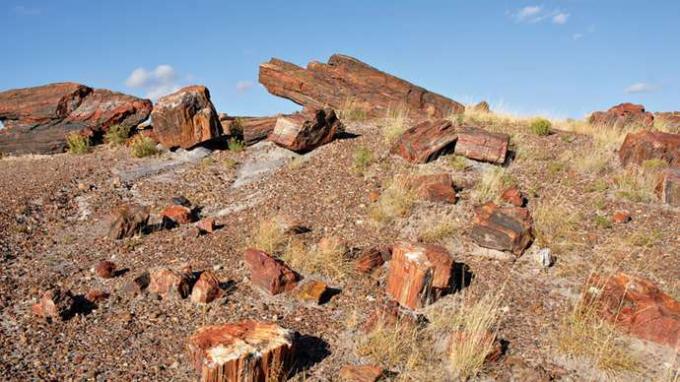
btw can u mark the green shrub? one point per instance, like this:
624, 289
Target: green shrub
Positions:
143, 146
458, 162
117, 135
540, 127
361, 159
77, 143
602, 222
236, 145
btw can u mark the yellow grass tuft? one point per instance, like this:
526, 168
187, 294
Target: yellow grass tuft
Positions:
435, 232
395, 124
352, 111
489, 187
555, 223
327, 259
77, 143
396, 201
269, 236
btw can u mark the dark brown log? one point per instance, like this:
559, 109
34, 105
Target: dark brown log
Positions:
502, 228
247, 351
346, 80
249, 129
306, 131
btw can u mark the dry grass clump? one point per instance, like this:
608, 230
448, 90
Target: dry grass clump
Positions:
457, 162
77, 143
638, 184
117, 135
489, 187
142, 146
556, 223
269, 236
361, 159
396, 201
352, 111
584, 334
396, 122
328, 259
437, 232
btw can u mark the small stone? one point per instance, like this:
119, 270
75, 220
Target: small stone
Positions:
268, 273
373, 196
169, 283
177, 214
105, 269
621, 217
372, 258
54, 304
96, 295
545, 257
206, 225
361, 373
137, 286
513, 196
313, 291
206, 289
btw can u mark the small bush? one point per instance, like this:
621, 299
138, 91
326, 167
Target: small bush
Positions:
230, 163
395, 124
602, 222
540, 127
117, 135
143, 146
394, 345
361, 159
269, 236
236, 145
457, 162
395, 202
77, 143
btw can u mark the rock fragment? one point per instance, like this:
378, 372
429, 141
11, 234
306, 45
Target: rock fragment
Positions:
361, 373
268, 273
169, 283
128, 220
55, 304
207, 288
105, 269
502, 228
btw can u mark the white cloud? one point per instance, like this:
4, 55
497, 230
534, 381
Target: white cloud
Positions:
560, 18
157, 82
641, 87
244, 86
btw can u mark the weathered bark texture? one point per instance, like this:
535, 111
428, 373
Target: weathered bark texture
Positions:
250, 129
436, 188
345, 80
248, 351
645, 145
185, 118
418, 274
623, 115
502, 228
268, 273
428, 140
38, 119
668, 188
306, 131
637, 306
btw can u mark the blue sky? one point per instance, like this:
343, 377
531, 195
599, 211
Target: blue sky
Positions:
564, 58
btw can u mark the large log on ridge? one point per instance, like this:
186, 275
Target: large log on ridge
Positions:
346, 80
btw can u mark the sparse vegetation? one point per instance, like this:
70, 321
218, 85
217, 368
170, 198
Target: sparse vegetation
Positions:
457, 162
395, 202
142, 146
395, 124
77, 143
230, 163
236, 145
361, 159
540, 127
602, 222
269, 236
436, 232
493, 181
117, 135
352, 111
555, 223
637, 184
327, 259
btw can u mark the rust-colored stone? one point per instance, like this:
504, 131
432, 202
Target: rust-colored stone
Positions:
346, 80
373, 196
645, 145
185, 118
436, 188
207, 288
38, 119
623, 115
105, 269
128, 220
268, 273
638, 307
502, 228
513, 196
361, 373
169, 283
96, 295
621, 217
206, 225
305, 132
668, 188
178, 214
418, 274
54, 304
313, 291
248, 351
372, 258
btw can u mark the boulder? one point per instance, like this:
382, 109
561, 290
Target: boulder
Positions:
54, 304
418, 274
105, 269
637, 306
361, 373
623, 115
436, 188
428, 140
38, 119
502, 228
247, 351
185, 118
207, 288
645, 145
168, 283
305, 132
268, 273
128, 220
668, 188
345, 80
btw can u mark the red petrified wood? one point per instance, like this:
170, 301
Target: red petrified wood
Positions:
178, 214
248, 351
250, 129
372, 257
513, 196
638, 307
185, 118
645, 145
436, 188
622, 115
345, 80
505, 229
418, 274
105, 269
268, 273
54, 304
361, 373
207, 288
668, 188
169, 283
305, 132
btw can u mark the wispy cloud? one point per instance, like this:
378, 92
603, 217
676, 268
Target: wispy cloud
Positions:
577, 36
156, 83
536, 13
26, 11
641, 87
560, 18
244, 86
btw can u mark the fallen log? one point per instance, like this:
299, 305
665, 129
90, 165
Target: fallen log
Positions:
305, 132
346, 81
249, 129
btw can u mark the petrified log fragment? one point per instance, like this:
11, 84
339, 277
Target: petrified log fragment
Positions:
668, 188
247, 351
268, 273
372, 257
623, 115
346, 80
38, 119
428, 140
305, 132
128, 221
105, 269
637, 306
185, 118
206, 225
54, 304
207, 288
361, 373
418, 274
436, 188
313, 291
502, 228
177, 214
249, 129
513, 196
645, 145
169, 283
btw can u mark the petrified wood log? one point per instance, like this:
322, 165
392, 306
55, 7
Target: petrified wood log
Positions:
637, 306
268, 273
623, 115
207, 288
249, 129
247, 351
502, 228
38, 119
428, 140
418, 274
645, 145
345, 79
306, 131
372, 258
436, 188
668, 188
